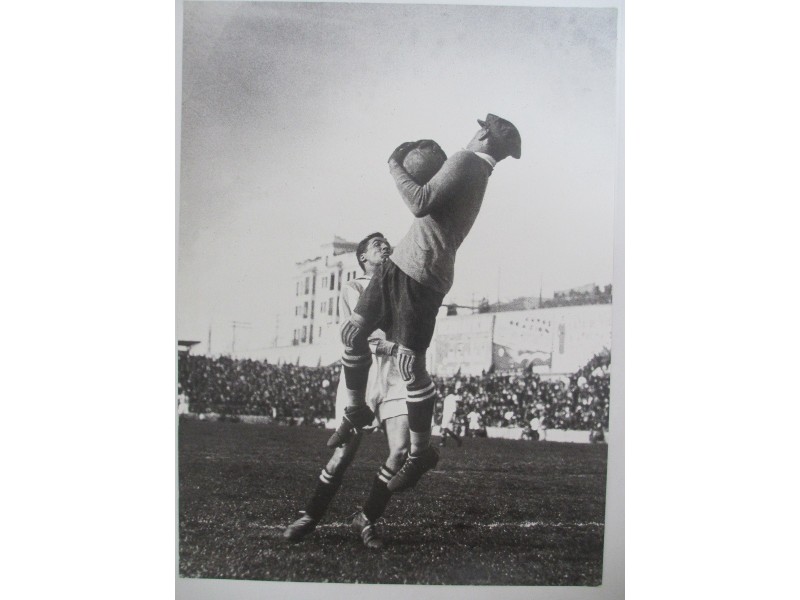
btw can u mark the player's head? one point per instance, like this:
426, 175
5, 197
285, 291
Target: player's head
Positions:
373, 250
497, 137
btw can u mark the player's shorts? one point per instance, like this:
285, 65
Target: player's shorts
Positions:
389, 409
386, 391
403, 308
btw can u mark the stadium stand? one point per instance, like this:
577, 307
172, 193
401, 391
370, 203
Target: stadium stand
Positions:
294, 395
287, 394
513, 398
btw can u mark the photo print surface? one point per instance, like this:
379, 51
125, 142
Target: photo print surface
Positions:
395, 291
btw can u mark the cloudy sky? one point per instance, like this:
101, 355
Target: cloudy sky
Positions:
289, 112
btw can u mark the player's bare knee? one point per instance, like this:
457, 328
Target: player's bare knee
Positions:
397, 456
399, 452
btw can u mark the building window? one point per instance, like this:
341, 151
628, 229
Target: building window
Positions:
333, 280
312, 309
340, 281
305, 310
297, 288
314, 284
305, 330
306, 285
324, 282
322, 308
319, 333
337, 308
330, 307
348, 276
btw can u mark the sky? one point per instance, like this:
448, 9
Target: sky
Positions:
290, 111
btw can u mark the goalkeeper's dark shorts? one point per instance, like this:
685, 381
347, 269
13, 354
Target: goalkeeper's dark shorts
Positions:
403, 308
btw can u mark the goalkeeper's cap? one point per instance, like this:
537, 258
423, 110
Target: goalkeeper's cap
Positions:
504, 134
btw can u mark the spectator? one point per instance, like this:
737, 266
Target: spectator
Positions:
294, 395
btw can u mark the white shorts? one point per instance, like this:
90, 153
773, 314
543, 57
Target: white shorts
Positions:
386, 390
391, 408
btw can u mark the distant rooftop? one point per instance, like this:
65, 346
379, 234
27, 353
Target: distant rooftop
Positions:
341, 245
338, 246
186, 345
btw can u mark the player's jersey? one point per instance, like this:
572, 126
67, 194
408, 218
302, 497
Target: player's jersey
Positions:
383, 382
449, 407
446, 208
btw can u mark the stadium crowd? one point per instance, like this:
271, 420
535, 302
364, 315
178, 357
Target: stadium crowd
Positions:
288, 394
295, 395
522, 398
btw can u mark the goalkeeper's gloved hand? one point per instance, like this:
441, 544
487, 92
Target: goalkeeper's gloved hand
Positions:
400, 152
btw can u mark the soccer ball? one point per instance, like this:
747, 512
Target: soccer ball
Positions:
424, 161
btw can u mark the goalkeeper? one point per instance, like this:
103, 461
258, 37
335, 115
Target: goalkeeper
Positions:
405, 294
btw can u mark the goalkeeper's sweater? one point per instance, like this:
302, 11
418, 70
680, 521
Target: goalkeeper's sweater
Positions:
445, 209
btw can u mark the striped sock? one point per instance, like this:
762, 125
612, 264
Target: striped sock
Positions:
356, 370
379, 495
420, 403
327, 486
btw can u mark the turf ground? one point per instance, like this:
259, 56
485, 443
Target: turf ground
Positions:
494, 512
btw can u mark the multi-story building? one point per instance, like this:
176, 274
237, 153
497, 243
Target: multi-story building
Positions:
317, 292
554, 339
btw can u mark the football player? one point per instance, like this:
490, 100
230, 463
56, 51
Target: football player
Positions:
406, 292
449, 408
386, 397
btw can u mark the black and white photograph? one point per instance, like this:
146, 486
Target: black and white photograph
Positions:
475, 299
397, 294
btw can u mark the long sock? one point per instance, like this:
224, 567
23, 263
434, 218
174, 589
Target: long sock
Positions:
420, 403
420, 414
420, 440
356, 371
379, 495
355, 397
327, 486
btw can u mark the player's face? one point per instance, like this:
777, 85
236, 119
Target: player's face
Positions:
378, 250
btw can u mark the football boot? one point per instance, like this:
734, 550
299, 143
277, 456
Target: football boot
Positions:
300, 528
368, 531
414, 468
355, 417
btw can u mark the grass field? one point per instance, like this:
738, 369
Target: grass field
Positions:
494, 512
